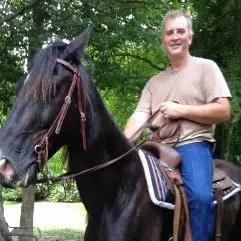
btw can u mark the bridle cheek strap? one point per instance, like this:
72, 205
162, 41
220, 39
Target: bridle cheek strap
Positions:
56, 126
81, 105
75, 82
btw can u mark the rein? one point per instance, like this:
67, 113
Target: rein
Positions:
67, 176
42, 148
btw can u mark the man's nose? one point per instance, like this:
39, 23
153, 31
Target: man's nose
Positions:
175, 35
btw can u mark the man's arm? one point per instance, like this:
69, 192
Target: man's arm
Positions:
212, 113
136, 120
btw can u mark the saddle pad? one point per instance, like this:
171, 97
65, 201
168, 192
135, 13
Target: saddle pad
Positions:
158, 188
156, 184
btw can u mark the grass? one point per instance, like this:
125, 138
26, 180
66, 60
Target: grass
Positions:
48, 234
68, 234
11, 203
47, 210
46, 224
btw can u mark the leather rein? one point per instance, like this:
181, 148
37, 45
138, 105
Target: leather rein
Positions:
69, 175
42, 148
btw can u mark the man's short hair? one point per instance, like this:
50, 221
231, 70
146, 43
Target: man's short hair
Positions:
172, 14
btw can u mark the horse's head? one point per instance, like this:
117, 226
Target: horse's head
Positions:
49, 100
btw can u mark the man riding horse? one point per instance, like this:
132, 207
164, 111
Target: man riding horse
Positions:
192, 89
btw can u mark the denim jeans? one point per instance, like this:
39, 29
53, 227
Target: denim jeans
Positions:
197, 172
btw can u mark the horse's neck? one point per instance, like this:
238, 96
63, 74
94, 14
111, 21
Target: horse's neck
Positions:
108, 143
99, 188
105, 137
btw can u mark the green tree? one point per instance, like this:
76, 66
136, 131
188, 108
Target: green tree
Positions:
217, 36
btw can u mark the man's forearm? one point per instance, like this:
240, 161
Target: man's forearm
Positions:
133, 129
212, 113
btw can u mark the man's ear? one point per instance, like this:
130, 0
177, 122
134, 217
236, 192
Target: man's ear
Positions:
190, 40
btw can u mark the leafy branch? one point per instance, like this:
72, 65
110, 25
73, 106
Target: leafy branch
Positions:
140, 58
19, 12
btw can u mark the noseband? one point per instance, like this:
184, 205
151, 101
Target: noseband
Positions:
42, 148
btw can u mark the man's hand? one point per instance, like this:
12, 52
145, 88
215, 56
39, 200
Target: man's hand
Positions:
171, 110
215, 112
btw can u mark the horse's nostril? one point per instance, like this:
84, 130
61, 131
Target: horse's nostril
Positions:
6, 168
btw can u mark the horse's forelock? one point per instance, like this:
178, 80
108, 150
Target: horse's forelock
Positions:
40, 84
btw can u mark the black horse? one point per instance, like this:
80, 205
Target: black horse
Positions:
58, 105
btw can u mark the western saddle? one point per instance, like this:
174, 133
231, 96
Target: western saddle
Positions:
168, 162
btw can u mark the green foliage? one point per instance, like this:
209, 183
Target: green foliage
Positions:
233, 73
64, 191
217, 36
14, 195
234, 153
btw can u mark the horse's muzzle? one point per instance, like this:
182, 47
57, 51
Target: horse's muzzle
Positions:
10, 179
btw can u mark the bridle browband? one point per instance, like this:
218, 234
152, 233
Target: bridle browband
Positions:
42, 148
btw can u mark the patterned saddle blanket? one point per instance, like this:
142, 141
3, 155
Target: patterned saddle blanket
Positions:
159, 191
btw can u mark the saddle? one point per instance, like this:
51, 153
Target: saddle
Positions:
168, 162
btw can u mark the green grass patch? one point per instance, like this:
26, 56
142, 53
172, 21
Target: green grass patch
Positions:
11, 203
68, 234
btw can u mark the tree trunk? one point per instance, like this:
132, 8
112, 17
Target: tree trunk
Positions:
27, 212
39, 14
4, 231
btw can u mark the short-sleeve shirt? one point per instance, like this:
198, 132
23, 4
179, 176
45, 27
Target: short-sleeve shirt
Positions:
199, 82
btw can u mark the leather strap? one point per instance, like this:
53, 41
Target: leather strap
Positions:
177, 214
176, 185
219, 214
188, 231
70, 175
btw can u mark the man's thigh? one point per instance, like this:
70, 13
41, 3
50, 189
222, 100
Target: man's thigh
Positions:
197, 166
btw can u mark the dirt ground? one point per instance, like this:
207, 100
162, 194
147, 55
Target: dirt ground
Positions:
49, 215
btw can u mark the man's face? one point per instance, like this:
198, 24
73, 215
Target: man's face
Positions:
176, 37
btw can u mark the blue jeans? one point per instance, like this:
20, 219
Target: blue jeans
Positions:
197, 172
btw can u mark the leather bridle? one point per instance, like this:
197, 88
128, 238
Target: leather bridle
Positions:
42, 148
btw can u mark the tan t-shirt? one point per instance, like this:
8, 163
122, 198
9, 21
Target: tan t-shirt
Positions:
198, 83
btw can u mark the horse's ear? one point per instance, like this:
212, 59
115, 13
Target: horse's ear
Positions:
78, 44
